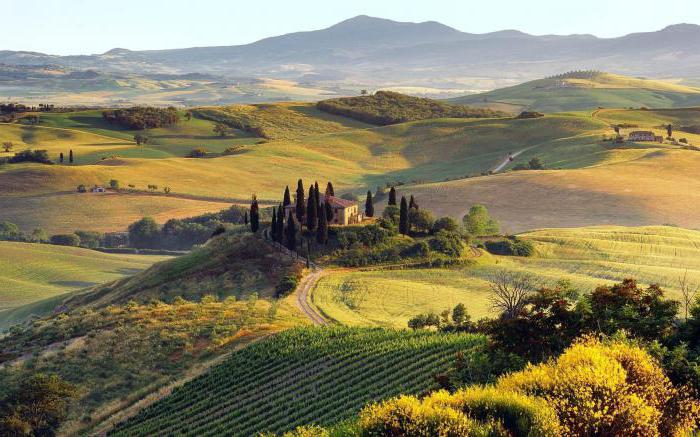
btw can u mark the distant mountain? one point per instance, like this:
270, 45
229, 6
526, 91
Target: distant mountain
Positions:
377, 51
585, 90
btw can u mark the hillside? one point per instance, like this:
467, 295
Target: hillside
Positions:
31, 272
587, 257
585, 90
386, 107
233, 264
312, 375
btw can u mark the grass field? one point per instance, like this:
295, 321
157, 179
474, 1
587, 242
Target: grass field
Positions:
588, 257
31, 272
584, 92
309, 375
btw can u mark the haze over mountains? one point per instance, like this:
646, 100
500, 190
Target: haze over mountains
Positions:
371, 49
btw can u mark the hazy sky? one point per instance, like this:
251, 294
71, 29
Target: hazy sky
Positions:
92, 26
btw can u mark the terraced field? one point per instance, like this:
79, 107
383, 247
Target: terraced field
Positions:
30, 272
588, 257
302, 376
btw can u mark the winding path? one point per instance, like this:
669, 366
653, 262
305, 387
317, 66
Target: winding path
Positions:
302, 294
508, 159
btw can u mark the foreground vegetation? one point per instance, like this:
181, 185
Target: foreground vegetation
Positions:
318, 375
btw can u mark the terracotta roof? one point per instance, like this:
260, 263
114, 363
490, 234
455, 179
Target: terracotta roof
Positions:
338, 202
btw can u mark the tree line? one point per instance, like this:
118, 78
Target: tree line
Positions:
142, 117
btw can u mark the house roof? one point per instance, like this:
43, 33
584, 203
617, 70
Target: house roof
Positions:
340, 203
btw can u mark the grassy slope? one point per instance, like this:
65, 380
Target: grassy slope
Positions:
588, 257
312, 375
30, 272
604, 90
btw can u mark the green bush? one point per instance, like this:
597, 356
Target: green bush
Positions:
445, 224
65, 240
447, 243
479, 223
512, 246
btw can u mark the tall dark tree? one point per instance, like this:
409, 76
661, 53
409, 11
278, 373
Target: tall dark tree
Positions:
392, 196
290, 232
273, 225
70, 156
317, 194
254, 215
404, 226
412, 204
369, 205
328, 210
669, 130
322, 229
280, 224
329, 189
300, 206
311, 210
245, 218
60, 158
287, 198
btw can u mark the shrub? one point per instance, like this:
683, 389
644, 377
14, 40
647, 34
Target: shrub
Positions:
447, 243
447, 224
10, 231
511, 247
114, 184
421, 220
286, 285
391, 212
519, 414
90, 239
606, 389
40, 156
530, 114
65, 240
198, 152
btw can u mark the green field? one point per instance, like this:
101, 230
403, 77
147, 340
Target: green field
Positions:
588, 257
302, 376
576, 92
31, 272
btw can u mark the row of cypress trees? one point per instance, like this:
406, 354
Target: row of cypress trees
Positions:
404, 209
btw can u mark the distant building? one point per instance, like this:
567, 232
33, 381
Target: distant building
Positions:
345, 212
97, 189
644, 136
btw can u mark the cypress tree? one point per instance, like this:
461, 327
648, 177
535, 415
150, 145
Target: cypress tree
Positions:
70, 156
369, 205
329, 211
60, 158
287, 198
317, 194
273, 225
392, 196
280, 224
311, 210
329, 189
403, 217
245, 218
254, 215
322, 230
412, 203
291, 232
300, 206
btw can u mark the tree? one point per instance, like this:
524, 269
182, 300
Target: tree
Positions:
317, 194
688, 293
220, 129
329, 189
300, 205
392, 196
287, 198
140, 139
369, 205
412, 204
404, 224
322, 230
329, 211
188, 115
445, 224
459, 315
509, 292
60, 157
273, 225
8, 145
70, 156
245, 218
254, 215
291, 232
421, 220
39, 235
478, 222
616, 128
114, 184
536, 164
198, 152
280, 224
311, 210
669, 130
144, 233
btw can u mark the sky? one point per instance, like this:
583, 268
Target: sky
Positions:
88, 26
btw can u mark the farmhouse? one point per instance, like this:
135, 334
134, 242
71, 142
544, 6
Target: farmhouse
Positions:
642, 135
345, 212
97, 189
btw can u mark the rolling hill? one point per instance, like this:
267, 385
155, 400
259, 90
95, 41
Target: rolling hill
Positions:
586, 90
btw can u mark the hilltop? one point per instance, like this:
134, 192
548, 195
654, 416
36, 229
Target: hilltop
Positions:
586, 90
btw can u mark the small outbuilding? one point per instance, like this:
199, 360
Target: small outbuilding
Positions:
644, 136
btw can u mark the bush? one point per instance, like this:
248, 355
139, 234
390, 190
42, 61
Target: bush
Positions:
198, 152
287, 284
10, 231
512, 246
530, 114
447, 224
391, 212
421, 220
447, 243
40, 156
65, 240
90, 239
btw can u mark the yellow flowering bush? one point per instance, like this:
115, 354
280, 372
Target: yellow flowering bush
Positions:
606, 389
